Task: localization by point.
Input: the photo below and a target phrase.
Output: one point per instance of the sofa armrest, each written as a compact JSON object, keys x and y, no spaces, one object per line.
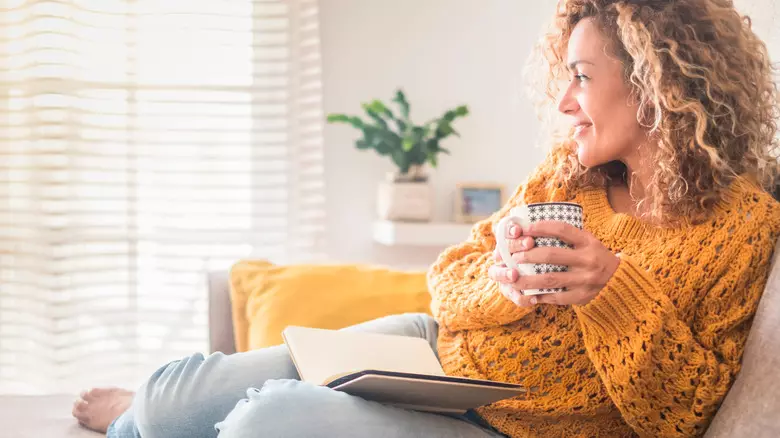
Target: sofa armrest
{"x":751,"y":406}
{"x":220,"y":314}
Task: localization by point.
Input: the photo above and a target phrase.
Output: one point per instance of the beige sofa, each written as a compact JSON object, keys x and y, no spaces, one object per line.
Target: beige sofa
{"x":751,"y":409}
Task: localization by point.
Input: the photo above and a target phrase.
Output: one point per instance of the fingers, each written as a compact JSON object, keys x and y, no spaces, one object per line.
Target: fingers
{"x":568,"y":233}
{"x":516,"y":245}
{"x":501,"y":274}
{"x":549,"y":280}
{"x":566,"y":298}
{"x":516,"y":296}
{"x":549,"y":255}
{"x":570,"y":297}
{"x":559,"y":298}
{"x":513,"y":291}
{"x":513,"y":231}
{"x":526,"y":300}
{"x":523,"y":243}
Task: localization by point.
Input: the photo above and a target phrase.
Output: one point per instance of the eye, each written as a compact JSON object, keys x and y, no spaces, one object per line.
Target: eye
{"x":581,"y":77}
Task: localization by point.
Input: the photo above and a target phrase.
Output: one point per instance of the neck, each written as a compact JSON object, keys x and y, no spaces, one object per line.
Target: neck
{"x":636,"y":178}
{"x":639,"y":169}
{"x":639,"y":174}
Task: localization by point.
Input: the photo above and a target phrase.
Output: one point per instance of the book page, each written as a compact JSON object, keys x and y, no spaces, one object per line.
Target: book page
{"x":322,"y":355}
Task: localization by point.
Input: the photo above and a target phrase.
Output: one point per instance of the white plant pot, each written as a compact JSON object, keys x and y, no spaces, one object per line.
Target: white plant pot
{"x":404,"y":201}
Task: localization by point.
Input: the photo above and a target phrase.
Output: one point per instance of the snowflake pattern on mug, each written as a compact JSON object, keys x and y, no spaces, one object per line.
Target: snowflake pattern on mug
{"x":555,"y":211}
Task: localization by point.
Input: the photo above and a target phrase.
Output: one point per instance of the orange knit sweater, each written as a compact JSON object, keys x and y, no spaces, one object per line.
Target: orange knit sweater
{"x":652,"y":355}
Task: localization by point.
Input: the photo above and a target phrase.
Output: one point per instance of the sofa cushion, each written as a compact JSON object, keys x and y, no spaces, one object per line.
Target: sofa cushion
{"x":752,"y":405}
{"x":267,"y":298}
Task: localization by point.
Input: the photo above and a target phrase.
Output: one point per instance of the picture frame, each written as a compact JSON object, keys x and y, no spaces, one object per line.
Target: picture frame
{"x":477,"y":201}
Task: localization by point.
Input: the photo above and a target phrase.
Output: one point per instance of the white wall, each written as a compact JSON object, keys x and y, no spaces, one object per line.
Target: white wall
{"x":443,"y":53}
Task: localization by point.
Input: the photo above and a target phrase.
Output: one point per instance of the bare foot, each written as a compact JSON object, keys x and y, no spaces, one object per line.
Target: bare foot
{"x":97,"y":408}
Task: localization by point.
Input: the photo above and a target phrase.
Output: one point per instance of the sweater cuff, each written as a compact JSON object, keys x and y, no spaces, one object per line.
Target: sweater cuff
{"x":628,"y":298}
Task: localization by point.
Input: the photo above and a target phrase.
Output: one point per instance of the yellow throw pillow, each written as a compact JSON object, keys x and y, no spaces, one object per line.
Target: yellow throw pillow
{"x":267,"y":298}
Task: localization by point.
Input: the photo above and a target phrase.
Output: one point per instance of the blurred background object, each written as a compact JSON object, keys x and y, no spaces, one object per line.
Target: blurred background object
{"x":405,"y":194}
{"x":144,"y":143}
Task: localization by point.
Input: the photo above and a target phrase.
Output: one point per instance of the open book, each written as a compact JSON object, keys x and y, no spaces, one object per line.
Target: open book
{"x":397,"y":370}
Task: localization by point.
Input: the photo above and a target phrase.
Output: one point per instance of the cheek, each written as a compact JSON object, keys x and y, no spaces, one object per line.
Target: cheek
{"x":614,"y":129}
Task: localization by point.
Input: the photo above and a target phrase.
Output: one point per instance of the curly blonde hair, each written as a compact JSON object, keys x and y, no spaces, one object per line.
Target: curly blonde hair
{"x":704,"y":85}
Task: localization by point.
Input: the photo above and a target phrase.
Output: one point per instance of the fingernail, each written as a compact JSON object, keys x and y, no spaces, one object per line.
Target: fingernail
{"x":510,"y":275}
{"x":534,"y":300}
{"x":513,"y":231}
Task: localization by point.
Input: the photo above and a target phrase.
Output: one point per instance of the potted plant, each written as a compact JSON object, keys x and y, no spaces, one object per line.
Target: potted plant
{"x":406,"y":193}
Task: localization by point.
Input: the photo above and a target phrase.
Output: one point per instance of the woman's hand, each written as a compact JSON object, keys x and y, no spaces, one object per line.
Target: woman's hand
{"x":505,"y":276}
{"x":590,"y":263}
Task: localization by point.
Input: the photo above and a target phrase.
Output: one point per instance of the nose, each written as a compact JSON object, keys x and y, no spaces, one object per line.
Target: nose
{"x":567,"y":104}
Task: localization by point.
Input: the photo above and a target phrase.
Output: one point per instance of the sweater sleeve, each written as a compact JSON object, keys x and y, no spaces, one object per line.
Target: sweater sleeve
{"x":463,"y":296}
{"x":668,"y":378}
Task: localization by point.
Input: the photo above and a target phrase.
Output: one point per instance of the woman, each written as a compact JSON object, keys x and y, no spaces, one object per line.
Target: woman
{"x":673,"y":112}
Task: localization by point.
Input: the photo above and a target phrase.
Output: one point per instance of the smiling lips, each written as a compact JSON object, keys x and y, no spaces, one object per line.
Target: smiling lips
{"x":580,"y":128}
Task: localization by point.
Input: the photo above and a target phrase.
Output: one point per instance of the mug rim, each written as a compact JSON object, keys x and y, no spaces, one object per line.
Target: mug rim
{"x":574,"y":204}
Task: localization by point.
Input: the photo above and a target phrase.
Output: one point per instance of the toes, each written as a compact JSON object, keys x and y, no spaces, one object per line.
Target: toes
{"x":94,"y":393}
{"x":79,"y":406}
{"x":89,"y":394}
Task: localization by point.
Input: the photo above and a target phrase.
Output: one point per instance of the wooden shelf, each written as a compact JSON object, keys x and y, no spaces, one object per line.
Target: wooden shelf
{"x":439,"y":234}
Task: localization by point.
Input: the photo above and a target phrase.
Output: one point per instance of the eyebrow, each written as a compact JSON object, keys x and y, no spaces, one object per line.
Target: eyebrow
{"x":579,"y":61}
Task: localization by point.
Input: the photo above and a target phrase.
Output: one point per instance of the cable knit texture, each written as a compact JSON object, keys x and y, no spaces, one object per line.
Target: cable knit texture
{"x":652,"y":355}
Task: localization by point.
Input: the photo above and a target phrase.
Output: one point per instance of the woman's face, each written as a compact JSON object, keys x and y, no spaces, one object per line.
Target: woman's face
{"x":598,"y":101}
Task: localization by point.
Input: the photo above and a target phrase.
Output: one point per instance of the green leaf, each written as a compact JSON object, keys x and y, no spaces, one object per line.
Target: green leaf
{"x":451,"y":115}
{"x":406,"y":144}
{"x":356,"y":122}
{"x":362,"y":144}
{"x":461,"y":111}
{"x":382,"y":147}
{"x":401,"y":160}
{"x":444,"y":130}
{"x":338,"y":118}
{"x":376,"y":117}
{"x":400,"y":99}
{"x":377,"y":106}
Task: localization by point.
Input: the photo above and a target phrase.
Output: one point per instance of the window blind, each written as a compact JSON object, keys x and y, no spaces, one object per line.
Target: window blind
{"x":144,"y":143}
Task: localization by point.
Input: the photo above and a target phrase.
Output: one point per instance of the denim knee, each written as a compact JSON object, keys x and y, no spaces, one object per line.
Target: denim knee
{"x":163,"y":407}
{"x":287,"y":408}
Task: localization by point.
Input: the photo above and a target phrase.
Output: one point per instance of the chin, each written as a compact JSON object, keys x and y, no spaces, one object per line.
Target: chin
{"x":585,"y":155}
{"x":588,"y":157}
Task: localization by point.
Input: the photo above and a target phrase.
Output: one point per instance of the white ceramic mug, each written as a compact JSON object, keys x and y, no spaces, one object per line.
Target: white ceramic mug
{"x":525,"y":215}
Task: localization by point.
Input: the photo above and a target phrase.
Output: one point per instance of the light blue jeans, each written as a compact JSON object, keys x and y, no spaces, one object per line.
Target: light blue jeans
{"x":257,"y":394}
